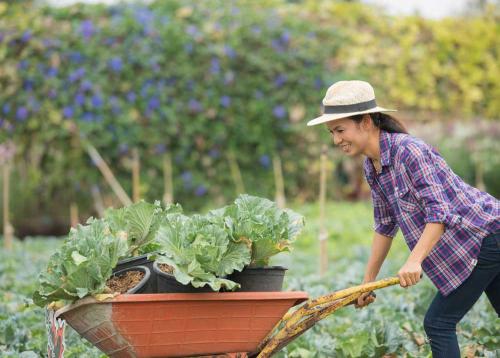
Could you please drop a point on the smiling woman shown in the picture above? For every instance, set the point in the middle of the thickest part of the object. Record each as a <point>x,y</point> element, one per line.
<point>451,228</point>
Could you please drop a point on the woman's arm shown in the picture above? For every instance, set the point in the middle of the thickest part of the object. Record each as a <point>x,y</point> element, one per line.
<point>411,271</point>
<point>380,247</point>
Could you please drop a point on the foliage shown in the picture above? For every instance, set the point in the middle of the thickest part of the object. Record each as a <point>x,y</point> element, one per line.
<point>82,265</point>
<point>267,229</point>
<point>200,251</point>
<point>139,223</point>
<point>202,81</point>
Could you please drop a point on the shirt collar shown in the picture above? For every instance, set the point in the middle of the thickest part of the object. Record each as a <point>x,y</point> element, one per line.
<point>385,148</point>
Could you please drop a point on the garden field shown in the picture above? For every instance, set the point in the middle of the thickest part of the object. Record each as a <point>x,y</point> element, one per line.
<point>392,326</point>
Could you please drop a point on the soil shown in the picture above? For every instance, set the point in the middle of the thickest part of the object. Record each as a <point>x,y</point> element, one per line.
<point>166,268</point>
<point>125,281</point>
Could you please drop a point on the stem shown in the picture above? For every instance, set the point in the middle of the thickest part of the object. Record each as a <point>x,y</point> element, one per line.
<point>8,231</point>
<point>136,168</point>
<point>279,182</point>
<point>235,172</point>
<point>168,193</point>
<point>323,234</point>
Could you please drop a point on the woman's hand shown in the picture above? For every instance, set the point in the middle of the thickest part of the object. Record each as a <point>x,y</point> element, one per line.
<point>410,273</point>
<point>364,300</point>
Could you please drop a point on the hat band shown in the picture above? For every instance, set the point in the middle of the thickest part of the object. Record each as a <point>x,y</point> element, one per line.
<point>350,108</point>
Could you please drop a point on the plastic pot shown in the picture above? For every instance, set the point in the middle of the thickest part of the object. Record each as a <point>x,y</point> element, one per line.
<point>166,283</point>
<point>139,261</point>
<point>142,285</point>
<point>259,279</point>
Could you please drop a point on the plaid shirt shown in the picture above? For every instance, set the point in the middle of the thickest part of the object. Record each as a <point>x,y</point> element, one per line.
<point>416,187</point>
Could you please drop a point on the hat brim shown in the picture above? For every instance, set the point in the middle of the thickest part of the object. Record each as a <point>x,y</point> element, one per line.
<point>331,117</point>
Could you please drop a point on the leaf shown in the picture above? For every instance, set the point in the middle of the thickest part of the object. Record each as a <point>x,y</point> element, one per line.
<point>77,258</point>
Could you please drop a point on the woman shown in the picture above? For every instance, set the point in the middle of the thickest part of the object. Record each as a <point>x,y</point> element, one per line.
<point>451,228</point>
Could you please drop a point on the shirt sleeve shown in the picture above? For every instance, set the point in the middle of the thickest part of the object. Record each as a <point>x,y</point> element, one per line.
<point>422,169</point>
<point>385,223</point>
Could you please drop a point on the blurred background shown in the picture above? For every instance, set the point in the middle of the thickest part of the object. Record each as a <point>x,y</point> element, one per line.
<point>209,99</point>
<point>103,103</point>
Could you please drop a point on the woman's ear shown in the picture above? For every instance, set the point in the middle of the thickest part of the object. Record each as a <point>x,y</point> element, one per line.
<point>366,122</point>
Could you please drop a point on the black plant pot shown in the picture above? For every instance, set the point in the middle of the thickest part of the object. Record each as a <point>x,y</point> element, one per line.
<point>259,279</point>
<point>167,283</point>
<point>139,261</point>
<point>141,287</point>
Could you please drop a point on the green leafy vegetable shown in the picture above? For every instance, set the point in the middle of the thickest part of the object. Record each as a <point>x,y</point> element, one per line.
<point>259,222</point>
<point>82,265</point>
<point>200,251</point>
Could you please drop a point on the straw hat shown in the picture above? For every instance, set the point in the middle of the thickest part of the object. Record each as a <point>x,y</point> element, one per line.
<point>348,98</point>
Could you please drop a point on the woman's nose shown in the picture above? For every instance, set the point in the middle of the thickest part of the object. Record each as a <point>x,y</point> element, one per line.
<point>336,139</point>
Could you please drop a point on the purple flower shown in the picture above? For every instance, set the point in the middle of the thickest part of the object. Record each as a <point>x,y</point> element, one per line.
<point>88,117</point>
<point>279,111</point>
<point>280,80</point>
<point>258,94</point>
<point>68,112</point>
<point>187,179</point>
<point>26,36</point>
<point>214,153</point>
<point>97,101</point>
<point>80,99</point>
<point>225,101</point>
<point>123,148</point>
<point>22,113</point>
<point>144,16</point>
<point>76,75</point>
<point>28,85</point>
<point>200,190</point>
<point>52,72</point>
<point>22,65</point>
<point>214,66</point>
<point>131,96</point>
<point>160,148</point>
<point>265,161</point>
<point>116,64</point>
<point>86,85</point>
<point>52,93</point>
<point>192,30</point>
<point>87,29</point>
<point>194,106</point>
<point>115,105</point>
<point>277,46</point>
<point>256,30</point>
<point>6,108</point>
<point>76,57</point>
<point>318,83</point>
<point>154,103</point>
<point>285,37</point>
<point>229,51</point>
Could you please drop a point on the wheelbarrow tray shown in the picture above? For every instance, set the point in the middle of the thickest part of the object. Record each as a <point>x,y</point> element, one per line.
<point>179,324</point>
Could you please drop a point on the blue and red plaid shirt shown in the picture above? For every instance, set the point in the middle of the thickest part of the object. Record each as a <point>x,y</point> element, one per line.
<point>416,187</point>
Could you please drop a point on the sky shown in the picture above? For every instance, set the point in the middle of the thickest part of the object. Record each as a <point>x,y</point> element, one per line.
<point>434,9</point>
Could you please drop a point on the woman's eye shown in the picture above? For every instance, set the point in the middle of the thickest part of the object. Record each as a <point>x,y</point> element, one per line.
<point>340,130</point>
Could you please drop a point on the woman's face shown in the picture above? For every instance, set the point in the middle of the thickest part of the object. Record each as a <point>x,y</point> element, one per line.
<point>350,136</point>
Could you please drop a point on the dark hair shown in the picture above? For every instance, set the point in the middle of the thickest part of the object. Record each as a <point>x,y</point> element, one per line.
<point>383,121</point>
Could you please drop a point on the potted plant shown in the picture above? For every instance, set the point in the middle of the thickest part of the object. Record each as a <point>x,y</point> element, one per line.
<point>81,266</point>
<point>198,254</point>
<point>138,224</point>
<point>267,230</point>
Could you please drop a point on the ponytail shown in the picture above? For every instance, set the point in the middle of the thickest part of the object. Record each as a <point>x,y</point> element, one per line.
<point>384,122</point>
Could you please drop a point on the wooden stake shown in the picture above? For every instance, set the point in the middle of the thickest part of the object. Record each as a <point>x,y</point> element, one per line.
<point>279,183</point>
<point>8,230</point>
<point>323,233</point>
<point>136,169</point>
<point>98,201</point>
<point>168,191</point>
<point>108,174</point>
<point>73,214</point>
<point>235,173</point>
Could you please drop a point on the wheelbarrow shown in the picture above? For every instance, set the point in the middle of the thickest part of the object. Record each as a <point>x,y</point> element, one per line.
<point>228,324</point>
